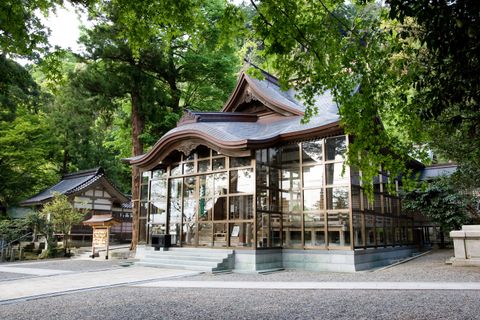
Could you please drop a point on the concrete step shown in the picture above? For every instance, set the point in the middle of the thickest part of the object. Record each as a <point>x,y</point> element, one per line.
<point>178,266</point>
<point>198,259</point>
<point>212,264</point>
<point>184,257</point>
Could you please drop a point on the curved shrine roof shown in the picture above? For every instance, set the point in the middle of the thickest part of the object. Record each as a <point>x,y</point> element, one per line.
<point>230,130</point>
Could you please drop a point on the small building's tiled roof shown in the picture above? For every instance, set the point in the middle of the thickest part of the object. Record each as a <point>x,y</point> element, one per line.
<point>71,184</point>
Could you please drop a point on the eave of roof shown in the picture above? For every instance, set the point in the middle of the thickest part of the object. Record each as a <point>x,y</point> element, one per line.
<point>74,183</point>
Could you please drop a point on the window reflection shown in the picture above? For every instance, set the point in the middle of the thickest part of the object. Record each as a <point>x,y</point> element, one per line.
<point>312,152</point>
<point>312,199</point>
<point>335,148</point>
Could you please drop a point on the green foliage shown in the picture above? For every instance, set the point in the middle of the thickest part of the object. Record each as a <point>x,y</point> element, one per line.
<point>351,51</point>
<point>447,88</point>
<point>26,156</point>
<point>61,214</point>
<point>11,230</point>
<point>413,65</point>
<point>442,203</point>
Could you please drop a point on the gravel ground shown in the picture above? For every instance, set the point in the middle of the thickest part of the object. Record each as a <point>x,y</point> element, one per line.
<point>430,267</point>
<point>158,303</point>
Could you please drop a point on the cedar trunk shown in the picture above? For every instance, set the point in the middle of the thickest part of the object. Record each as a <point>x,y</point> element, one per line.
<point>137,149</point>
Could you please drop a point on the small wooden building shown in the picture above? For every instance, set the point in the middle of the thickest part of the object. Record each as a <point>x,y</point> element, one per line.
<point>93,193</point>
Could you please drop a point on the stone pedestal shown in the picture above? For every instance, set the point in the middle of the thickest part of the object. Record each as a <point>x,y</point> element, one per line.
<point>466,244</point>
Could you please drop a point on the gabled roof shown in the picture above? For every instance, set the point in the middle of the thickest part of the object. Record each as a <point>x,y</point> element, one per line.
<point>236,133</point>
<point>75,183</point>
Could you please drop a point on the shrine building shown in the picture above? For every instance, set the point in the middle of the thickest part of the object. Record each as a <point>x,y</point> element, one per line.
<point>270,191</point>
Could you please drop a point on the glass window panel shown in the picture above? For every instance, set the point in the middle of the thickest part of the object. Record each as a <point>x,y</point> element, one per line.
<point>355,176</point>
<point>274,201</point>
<point>273,177</point>
<point>189,199</point>
<point>144,192</point>
<point>312,152</point>
<point>291,178</point>
<point>370,229</point>
<point>291,202</point>
<point>314,229</point>
<point>241,181</point>
<point>273,157</point>
<point>262,156</point>
<point>292,231</point>
<point>220,208</point>
<point>218,164</point>
<point>206,185</point>
<point>380,230</point>
<point>338,229</point>
<point>263,226</point>
<point>158,189</point>
<point>312,199</point>
<point>389,236</point>
<point>334,173</point>
<point>313,176</point>
<point>159,173</point>
<point>204,165</point>
<point>175,169</point>
<point>262,199</point>
<point>335,148</point>
<point>220,183</point>
<point>203,152</point>
<point>241,207</point>
<point>189,231</point>
<point>158,213</point>
<point>356,198</point>
<point>358,230</point>
<point>188,167</point>
<point>241,234</point>
<point>205,234</point>
<point>205,209</point>
<point>262,173</point>
<point>337,198</point>
<point>143,209</point>
<point>142,230</point>
<point>145,176</point>
<point>190,157</point>
<point>290,155</point>
<point>215,153</point>
<point>219,234</point>
<point>240,162</point>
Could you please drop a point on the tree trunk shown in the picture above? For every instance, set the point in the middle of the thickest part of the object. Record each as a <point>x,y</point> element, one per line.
<point>137,149</point>
<point>442,238</point>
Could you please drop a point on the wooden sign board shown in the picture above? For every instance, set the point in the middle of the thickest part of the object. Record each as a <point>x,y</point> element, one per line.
<point>100,237</point>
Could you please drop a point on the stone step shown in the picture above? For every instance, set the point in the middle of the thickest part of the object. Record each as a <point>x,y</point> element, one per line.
<point>198,259</point>
<point>184,257</point>
<point>200,250</point>
<point>182,261</point>
<point>180,266</point>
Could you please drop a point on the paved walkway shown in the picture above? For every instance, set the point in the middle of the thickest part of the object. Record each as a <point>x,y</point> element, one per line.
<point>14,290</point>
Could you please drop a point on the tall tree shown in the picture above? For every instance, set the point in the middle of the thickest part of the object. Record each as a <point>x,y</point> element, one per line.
<point>411,64</point>
<point>27,151</point>
<point>163,56</point>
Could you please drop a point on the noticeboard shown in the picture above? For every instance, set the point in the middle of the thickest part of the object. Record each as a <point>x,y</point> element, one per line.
<point>100,237</point>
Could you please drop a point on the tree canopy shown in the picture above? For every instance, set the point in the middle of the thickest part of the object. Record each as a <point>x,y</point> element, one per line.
<point>409,64</point>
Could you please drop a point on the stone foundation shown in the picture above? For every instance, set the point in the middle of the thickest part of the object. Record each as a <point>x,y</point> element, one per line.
<point>466,244</point>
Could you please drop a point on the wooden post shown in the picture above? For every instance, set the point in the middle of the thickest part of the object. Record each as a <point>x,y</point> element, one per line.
<point>108,242</point>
